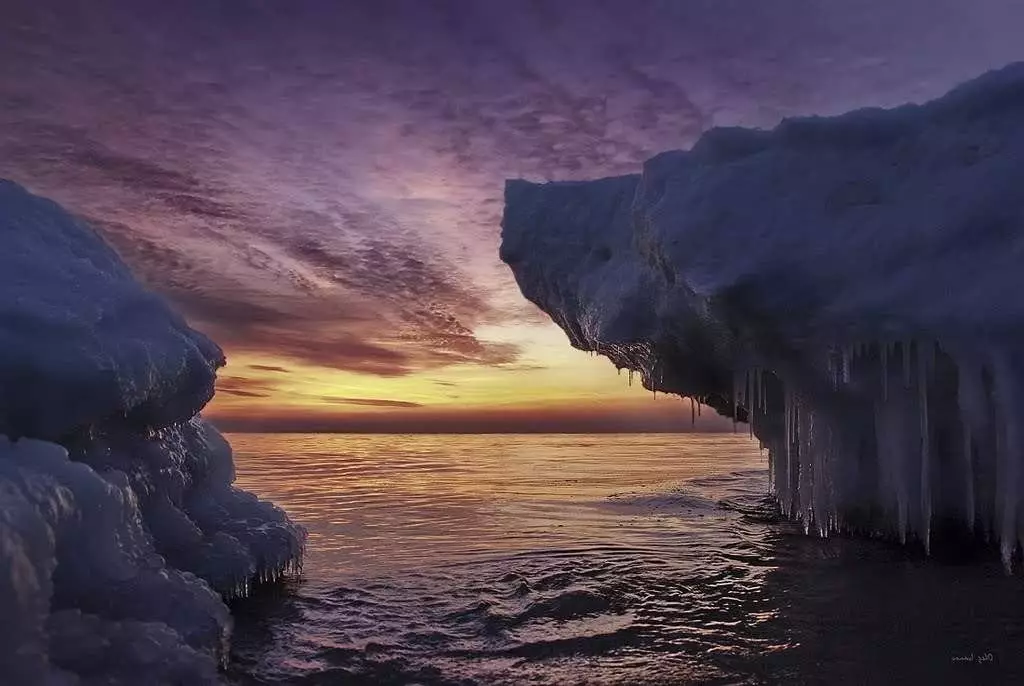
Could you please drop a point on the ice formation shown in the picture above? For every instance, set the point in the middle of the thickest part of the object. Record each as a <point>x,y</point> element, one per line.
<point>853,286</point>
<point>120,531</point>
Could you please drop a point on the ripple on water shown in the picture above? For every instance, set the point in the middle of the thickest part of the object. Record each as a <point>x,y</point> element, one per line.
<point>587,615</point>
<point>619,560</point>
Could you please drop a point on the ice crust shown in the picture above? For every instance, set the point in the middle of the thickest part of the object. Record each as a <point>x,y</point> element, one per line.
<point>121,535</point>
<point>853,286</point>
<point>82,342</point>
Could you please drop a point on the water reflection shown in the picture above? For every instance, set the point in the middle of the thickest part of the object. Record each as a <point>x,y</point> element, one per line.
<point>860,611</point>
<point>375,503</point>
<point>597,560</point>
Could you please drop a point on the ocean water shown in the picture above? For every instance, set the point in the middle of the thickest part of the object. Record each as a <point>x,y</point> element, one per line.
<point>611,559</point>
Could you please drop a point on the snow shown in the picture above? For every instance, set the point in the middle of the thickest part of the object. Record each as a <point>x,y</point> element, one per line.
<point>81,341</point>
<point>121,534</point>
<point>848,284</point>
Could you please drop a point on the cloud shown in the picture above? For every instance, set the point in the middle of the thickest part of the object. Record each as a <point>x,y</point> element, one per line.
<point>243,393</point>
<point>370,402</point>
<point>269,368</point>
<point>127,170</point>
<point>300,190</point>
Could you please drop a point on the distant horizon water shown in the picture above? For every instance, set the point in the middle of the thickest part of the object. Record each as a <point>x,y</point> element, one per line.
<point>300,432</point>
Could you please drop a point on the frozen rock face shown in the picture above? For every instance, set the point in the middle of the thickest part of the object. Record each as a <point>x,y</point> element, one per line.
<point>850,285</point>
<point>120,531</point>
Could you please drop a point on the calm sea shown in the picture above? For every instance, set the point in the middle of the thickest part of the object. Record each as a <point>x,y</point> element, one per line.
<point>612,559</point>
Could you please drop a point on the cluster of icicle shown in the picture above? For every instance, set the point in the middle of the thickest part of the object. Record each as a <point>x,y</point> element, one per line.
<point>738,272</point>
<point>181,479</point>
<point>117,556</point>
<point>897,439</point>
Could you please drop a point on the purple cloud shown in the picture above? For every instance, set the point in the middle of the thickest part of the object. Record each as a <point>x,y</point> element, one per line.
<point>323,182</point>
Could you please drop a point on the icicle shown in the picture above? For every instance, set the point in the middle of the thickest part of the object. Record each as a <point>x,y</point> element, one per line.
<point>971,401</point>
<point>794,456</point>
<point>735,399</point>
<point>926,490</point>
<point>782,481</point>
<point>746,394</point>
<point>1009,453</point>
<point>906,364</point>
<point>884,356</point>
<point>806,436</point>
<point>693,412</point>
<point>819,507</point>
<point>892,452</point>
<point>929,356</point>
<point>764,390</point>
<point>750,422</point>
<point>968,477</point>
<point>846,365</point>
<point>755,391</point>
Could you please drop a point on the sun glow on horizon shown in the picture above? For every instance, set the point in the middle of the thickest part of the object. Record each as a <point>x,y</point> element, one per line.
<point>550,379</point>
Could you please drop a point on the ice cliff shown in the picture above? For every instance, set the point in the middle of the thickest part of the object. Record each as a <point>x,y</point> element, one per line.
<point>854,286</point>
<point>120,531</point>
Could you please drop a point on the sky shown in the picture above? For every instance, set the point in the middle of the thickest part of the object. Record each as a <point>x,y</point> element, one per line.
<point>318,184</point>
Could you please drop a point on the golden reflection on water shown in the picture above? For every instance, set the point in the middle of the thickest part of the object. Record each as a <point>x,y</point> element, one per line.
<point>381,502</point>
<point>564,559</point>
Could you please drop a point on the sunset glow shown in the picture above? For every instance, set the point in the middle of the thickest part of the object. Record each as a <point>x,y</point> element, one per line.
<point>319,188</point>
<point>550,385</point>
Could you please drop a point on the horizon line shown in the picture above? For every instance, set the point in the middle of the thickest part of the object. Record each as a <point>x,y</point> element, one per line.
<point>475,433</point>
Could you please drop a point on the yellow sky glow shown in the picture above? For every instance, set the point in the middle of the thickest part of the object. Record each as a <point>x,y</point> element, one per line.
<point>549,377</point>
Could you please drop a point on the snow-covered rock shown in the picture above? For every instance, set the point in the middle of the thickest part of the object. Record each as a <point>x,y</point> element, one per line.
<point>852,285</point>
<point>120,531</point>
<point>82,343</point>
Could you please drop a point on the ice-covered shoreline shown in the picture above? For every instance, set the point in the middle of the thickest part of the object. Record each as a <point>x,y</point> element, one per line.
<point>849,284</point>
<point>120,531</point>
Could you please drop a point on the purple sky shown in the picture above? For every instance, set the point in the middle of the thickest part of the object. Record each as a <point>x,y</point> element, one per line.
<point>322,180</point>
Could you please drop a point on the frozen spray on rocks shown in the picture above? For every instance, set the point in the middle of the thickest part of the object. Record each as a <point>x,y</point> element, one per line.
<point>851,286</point>
<point>120,531</point>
